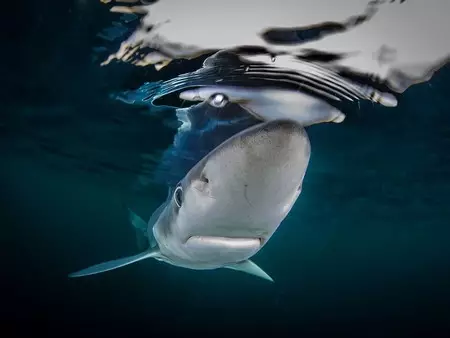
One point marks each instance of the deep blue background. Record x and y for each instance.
(364, 252)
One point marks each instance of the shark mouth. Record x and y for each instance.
(228, 243)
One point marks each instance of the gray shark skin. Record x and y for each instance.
(230, 203)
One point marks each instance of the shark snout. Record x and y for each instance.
(277, 142)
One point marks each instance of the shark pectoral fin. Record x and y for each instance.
(251, 268)
(114, 264)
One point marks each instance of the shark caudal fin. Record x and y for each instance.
(251, 268)
(115, 264)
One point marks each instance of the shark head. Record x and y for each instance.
(229, 204)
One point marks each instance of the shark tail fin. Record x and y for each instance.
(140, 228)
(115, 264)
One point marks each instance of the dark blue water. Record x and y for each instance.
(363, 253)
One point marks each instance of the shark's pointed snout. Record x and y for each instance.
(277, 142)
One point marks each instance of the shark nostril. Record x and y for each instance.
(203, 178)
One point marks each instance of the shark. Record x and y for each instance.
(229, 204)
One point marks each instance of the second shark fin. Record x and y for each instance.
(140, 228)
(251, 268)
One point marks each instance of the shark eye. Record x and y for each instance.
(218, 100)
(178, 196)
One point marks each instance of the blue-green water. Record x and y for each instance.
(364, 252)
